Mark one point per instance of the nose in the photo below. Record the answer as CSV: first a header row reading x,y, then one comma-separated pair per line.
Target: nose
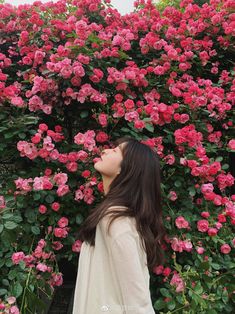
x,y
104,151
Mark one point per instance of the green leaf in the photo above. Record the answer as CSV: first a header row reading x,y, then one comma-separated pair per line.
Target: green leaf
x,y
7,216
159,304
5,282
180,299
219,158
22,135
3,291
215,266
149,127
79,219
192,191
84,114
37,196
212,311
49,199
171,305
17,289
35,230
10,225
225,296
22,265
12,274
198,288
177,183
165,292
17,218
225,166
1,228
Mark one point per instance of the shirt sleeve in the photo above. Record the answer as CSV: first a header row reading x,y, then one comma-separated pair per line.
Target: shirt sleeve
x,y
130,276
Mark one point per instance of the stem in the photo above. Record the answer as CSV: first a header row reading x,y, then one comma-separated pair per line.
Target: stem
x,y
27,282
23,299
180,308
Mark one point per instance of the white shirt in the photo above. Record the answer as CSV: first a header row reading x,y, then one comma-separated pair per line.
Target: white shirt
x,y
113,276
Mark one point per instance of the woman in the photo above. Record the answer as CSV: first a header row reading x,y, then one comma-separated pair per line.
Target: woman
x,y
117,254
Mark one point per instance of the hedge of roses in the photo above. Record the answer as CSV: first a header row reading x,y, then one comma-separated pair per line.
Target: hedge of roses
x,y
76,75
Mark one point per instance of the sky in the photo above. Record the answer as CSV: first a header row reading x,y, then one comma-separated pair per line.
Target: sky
x,y
123,6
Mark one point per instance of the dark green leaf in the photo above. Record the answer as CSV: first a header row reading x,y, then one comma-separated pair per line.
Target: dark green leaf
x,y
35,230
165,292
17,289
159,304
49,199
10,225
171,305
3,291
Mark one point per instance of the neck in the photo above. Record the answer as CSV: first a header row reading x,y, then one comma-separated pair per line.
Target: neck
x,y
106,183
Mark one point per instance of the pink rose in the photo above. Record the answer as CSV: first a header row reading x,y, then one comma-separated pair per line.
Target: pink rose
x,y
212,232
166,272
225,249
17,257
60,233
76,247
14,310
63,222
158,269
200,250
181,222
205,214
173,196
102,137
42,267
103,119
57,245
187,245
178,282
60,178
42,209
231,144
55,206
207,188
11,300
62,190
57,279
202,225
177,245
2,202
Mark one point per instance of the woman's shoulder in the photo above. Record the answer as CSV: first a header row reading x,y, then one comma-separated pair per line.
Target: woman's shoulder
x,y
119,225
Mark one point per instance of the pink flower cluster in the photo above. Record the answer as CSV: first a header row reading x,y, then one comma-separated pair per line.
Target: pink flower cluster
x,y
43,183
8,306
42,145
86,139
202,94
2,202
178,282
38,261
62,230
188,135
181,223
178,245
76,247
85,192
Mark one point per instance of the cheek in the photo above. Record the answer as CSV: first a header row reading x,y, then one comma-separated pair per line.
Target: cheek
x,y
108,166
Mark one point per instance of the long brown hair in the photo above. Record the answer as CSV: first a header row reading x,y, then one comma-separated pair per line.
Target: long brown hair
x,y
138,188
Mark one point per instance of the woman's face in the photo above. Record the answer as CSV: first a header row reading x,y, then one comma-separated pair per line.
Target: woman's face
x,y
110,161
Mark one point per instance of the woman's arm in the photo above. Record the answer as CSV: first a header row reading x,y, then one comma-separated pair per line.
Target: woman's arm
x,y
129,273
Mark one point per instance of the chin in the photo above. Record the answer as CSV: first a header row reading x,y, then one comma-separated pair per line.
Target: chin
x,y
96,166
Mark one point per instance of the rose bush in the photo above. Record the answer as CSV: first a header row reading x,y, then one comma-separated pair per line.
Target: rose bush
x,y
75,76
